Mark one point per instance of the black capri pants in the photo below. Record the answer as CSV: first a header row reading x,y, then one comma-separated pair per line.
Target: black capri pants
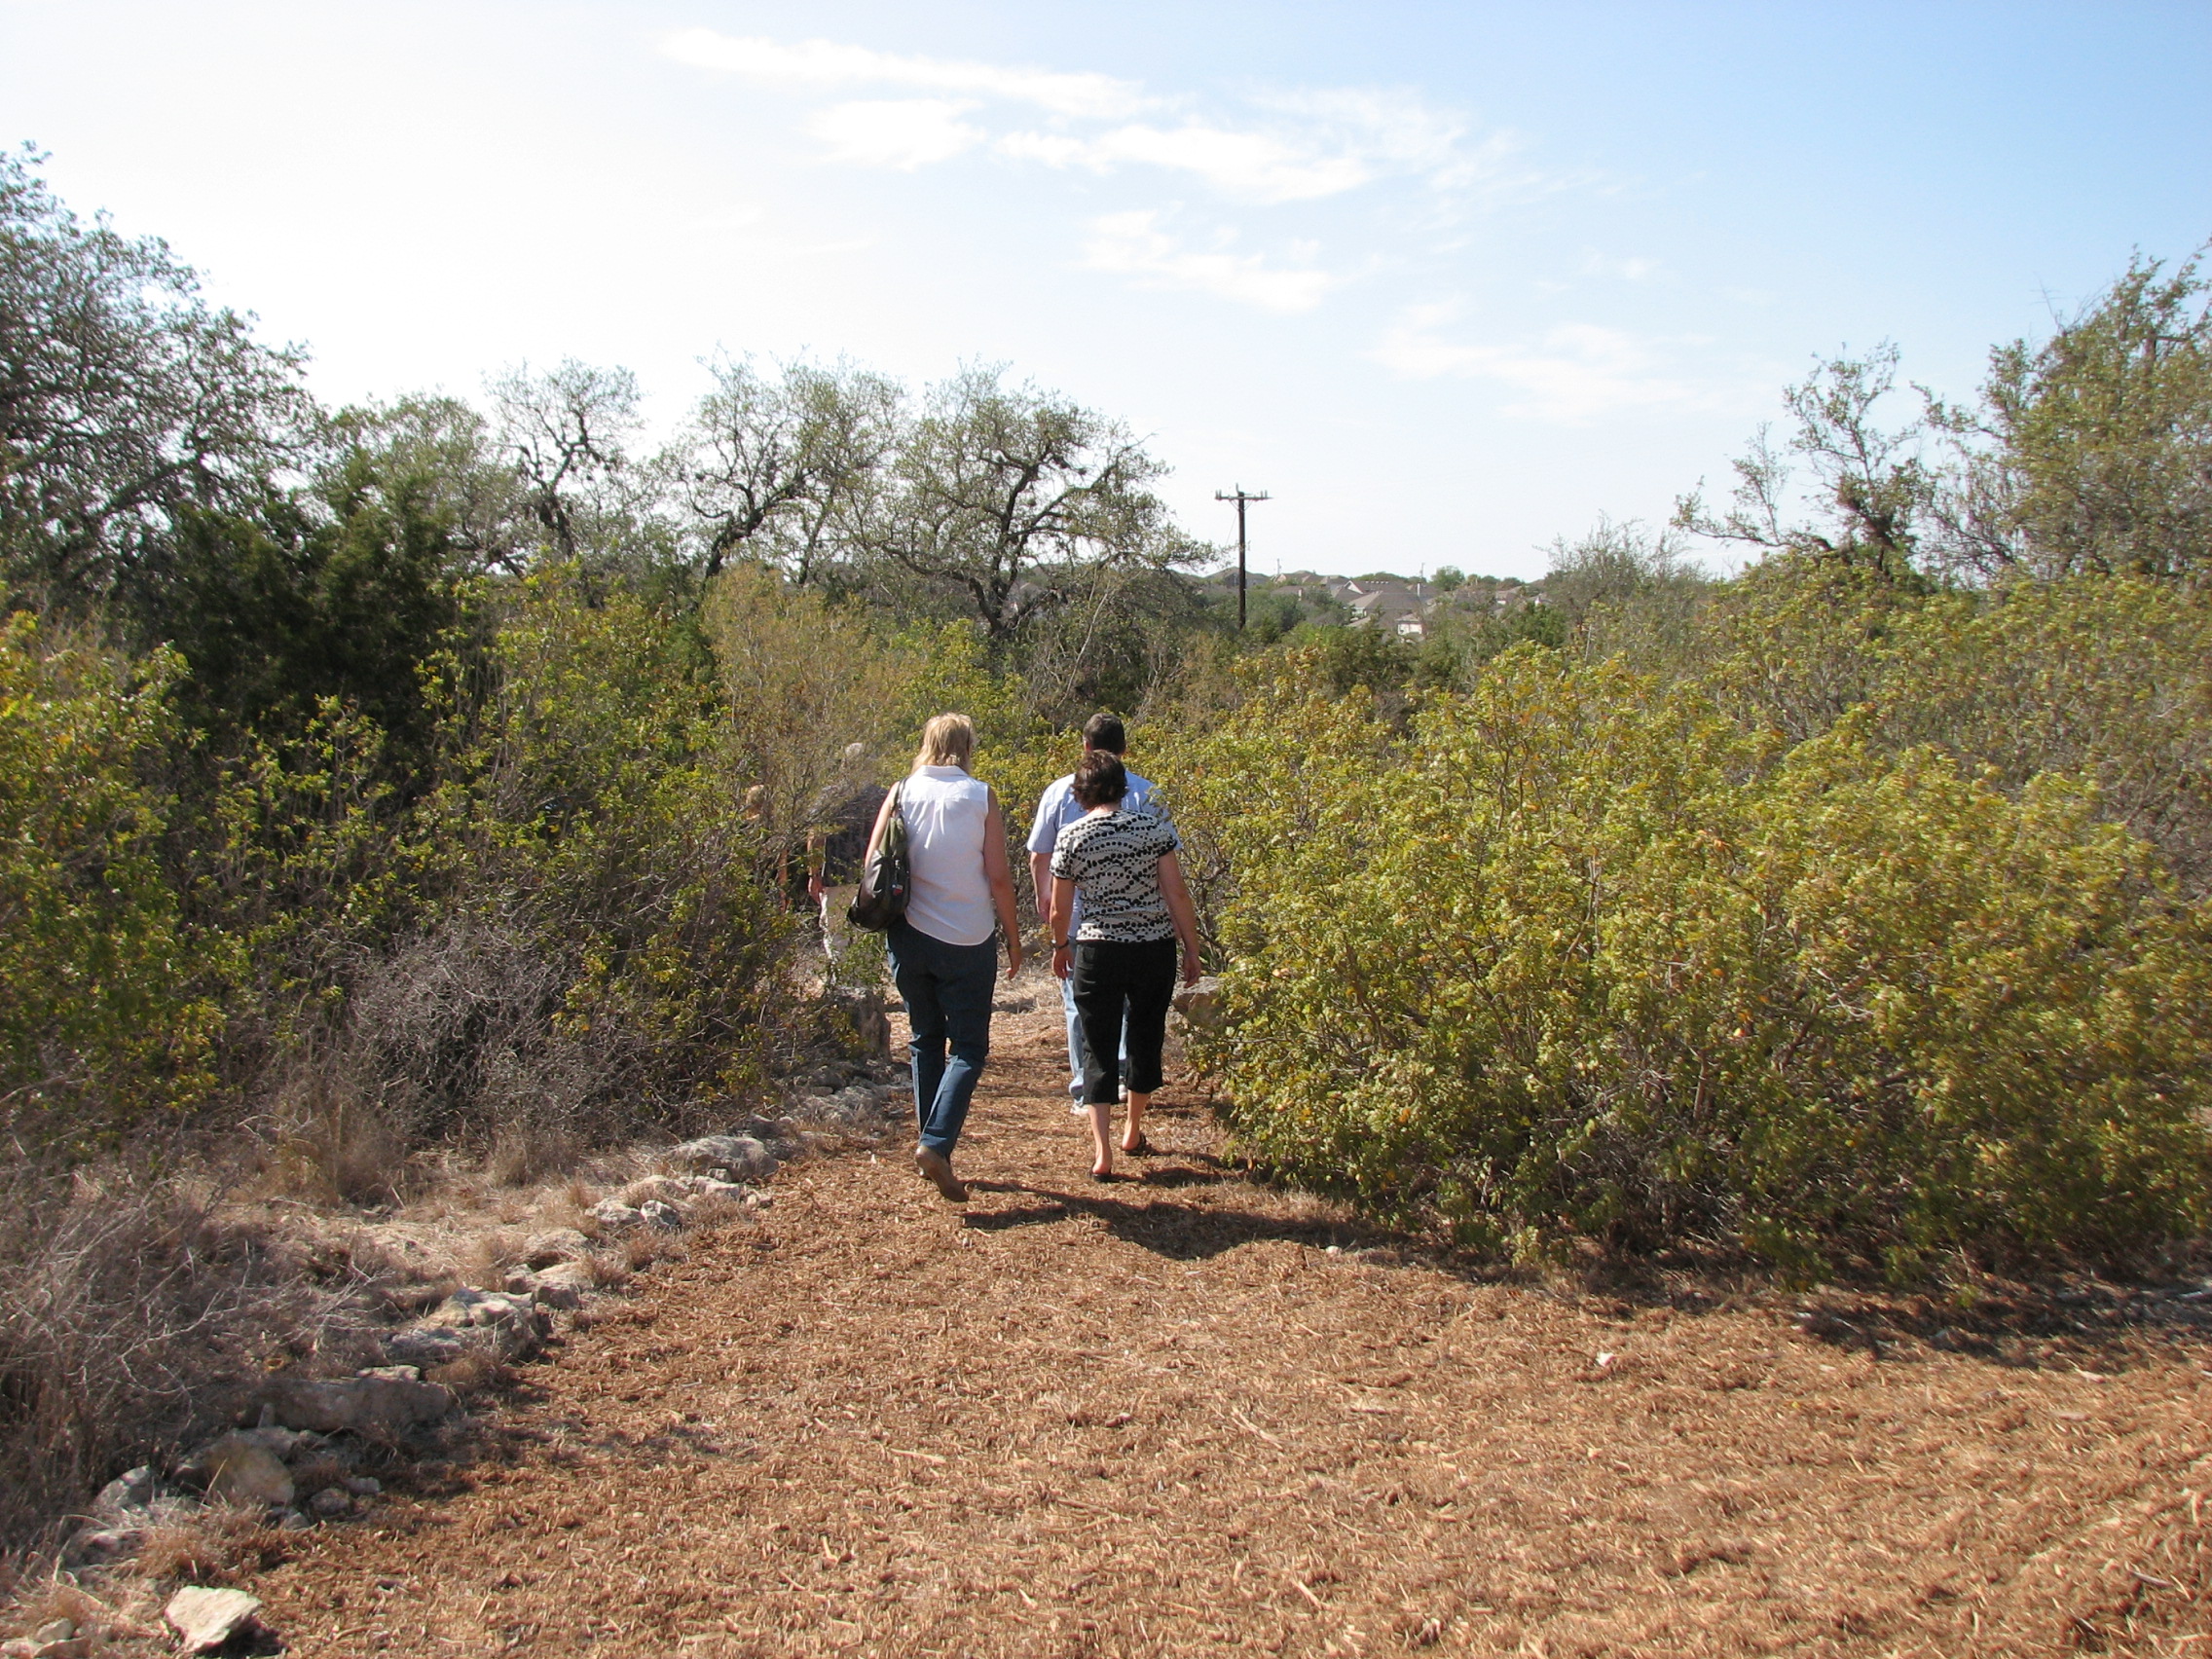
x,y
1110,978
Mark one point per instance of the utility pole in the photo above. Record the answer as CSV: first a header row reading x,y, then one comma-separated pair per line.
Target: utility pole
x,y
1240,497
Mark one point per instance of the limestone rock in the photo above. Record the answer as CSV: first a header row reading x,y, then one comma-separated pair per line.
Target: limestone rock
x,y
54,1629
133,1489
294,1522
208,1618
867,1012
666,1217
858,1103
745,1157
563,1286
280,1442
363,1486
378,1407
243,1472
331,1503
497,1308
95,1545
422,1345
661,1188
1199,1005
510,1326
708,1187
557,1244
615,1213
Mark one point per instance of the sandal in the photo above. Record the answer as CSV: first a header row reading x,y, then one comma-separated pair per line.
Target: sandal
x,y
1143,1148
1104,1176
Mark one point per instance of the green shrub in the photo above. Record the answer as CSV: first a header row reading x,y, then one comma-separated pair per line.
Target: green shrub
x,y
599,952
1581,956
108,1012
309,860
2105,677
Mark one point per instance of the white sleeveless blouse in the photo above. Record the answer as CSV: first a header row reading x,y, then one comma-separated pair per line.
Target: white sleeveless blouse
x,y
945,810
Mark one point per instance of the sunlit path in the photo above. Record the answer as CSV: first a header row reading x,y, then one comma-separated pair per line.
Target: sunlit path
x,y
1161,1417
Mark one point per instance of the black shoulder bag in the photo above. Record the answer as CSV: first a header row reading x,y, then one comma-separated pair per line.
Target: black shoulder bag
x,y
888,875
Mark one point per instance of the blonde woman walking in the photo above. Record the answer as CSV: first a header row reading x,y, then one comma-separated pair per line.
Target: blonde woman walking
x,y
943,957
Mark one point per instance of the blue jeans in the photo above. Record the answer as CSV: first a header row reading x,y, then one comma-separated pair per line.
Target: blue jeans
x,y
1075,1039
947,992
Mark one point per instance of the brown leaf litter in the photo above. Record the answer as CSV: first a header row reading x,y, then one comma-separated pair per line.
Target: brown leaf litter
x,y
1162,1418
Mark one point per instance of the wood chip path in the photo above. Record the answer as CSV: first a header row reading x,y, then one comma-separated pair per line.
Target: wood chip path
x,y
1161,1418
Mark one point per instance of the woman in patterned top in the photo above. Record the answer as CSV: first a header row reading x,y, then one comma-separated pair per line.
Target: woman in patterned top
x,y
1121,959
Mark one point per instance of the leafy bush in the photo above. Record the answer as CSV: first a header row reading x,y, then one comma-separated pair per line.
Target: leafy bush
x,y
2108,678
598,951
1584,956
109,1011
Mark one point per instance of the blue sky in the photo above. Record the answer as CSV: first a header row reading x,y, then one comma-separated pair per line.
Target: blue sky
x,y
1450,280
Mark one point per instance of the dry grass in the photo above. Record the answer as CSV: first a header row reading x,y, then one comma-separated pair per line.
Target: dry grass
x,y
133,1311
473,1373
120,1617
485,1256
524,1152
331,1144
216,1547
141,1308
609,1269
1164,1418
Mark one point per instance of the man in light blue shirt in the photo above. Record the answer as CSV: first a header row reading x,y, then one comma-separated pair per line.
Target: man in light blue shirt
x,y
1056,809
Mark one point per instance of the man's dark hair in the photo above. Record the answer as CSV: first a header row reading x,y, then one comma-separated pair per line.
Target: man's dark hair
x,y
1101,779
1105,732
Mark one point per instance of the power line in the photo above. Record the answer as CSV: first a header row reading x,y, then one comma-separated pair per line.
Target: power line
x,y
1241,496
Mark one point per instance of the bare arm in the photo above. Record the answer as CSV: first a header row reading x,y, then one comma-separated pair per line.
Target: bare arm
x,y
999,876
1041,884
1184,914
1061,922
875,834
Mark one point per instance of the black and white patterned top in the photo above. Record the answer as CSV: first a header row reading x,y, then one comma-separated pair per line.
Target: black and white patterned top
x,y
1114,862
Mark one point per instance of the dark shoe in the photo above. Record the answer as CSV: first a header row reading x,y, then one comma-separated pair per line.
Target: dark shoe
x,y
1104,1176
937,1168
1143,1148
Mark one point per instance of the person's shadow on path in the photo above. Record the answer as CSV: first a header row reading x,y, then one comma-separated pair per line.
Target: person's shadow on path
x,y
1180,1231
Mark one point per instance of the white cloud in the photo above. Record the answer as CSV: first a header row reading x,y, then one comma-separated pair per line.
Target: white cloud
x,y
1335,141
1295,145
1631,270
1133,244
1395,133
1395,129
896,133
1575,372
831,63
1258,167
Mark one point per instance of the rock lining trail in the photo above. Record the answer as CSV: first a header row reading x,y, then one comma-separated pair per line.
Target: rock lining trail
x,y
1164,1418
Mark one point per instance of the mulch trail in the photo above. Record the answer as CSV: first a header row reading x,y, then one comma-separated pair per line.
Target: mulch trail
x,y
1161,1417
